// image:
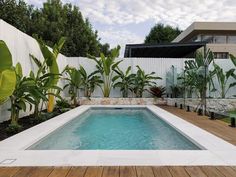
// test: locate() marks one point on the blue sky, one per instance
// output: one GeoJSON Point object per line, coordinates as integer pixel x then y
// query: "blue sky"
{"type": "Point", "coordinates": [129, 21]}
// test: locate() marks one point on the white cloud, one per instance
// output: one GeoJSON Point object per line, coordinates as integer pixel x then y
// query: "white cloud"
{"type": "Point", "coordinates": [117, 14]}
{"type": "Point", "coordinates": [120, 37]}
{"type": "Point", "coordinates": [180, 13]}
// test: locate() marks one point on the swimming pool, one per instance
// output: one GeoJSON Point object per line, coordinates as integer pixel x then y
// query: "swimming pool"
{"type": "Point", "coordinates": [116, 129]}
{"type": "Point", "coordinates": [143, 124]}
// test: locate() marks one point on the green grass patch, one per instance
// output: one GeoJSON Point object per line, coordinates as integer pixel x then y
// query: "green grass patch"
{"type": "Point", "coordinates": [227, 119]}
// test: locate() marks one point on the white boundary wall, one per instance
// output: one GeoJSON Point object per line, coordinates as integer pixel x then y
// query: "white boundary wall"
{"type": "Point", "coordinates": [21, 45]}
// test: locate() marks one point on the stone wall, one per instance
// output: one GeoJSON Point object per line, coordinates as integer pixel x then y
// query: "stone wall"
{"type": "Point", "coordinates": [216, 105]}
{"type": "Point", "coordinates": [122, 101]}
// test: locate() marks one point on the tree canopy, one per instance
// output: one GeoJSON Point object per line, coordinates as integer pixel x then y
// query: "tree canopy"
{"type": "Point", "coordinates": [161, 33]}
{"type": "Point", "coordinates": [52, 21]}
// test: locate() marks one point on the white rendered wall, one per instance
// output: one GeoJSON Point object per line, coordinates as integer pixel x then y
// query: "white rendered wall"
{"type": "Point", "coordinates": [21, 45]}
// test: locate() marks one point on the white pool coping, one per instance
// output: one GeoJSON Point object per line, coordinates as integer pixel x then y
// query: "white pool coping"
{"type": "Point", "coordinates": [216, 151]}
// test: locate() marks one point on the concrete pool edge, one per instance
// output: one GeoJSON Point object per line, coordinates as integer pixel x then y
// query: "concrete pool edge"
{"type": "Point", "coordinates": [218, 151]}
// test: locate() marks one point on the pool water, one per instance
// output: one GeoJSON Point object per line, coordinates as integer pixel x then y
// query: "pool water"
{"type": "Point", "coordinates": [116, 129]}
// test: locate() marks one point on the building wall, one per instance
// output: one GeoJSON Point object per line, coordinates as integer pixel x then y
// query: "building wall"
{"type": "Point", "coordinates": [230, 48]}
{"type": "Point", "coordinates": [206, 27]}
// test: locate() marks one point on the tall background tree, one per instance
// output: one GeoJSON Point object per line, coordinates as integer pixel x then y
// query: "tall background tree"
{"type": "Point", "coordinates": [52, 21]}
{"type": "Point", "coordinates": [161, 33]}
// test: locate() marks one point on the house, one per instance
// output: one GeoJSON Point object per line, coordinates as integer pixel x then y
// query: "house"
{"type": "Point", "coordinates": [220, 37]}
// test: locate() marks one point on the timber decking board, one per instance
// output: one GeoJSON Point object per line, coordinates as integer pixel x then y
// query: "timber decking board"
{"type": "Point", "coordinates": [178, 171]}
{"type": "Point", "coordinates": [77, 172]}
{"type": "Point", "coordinates": [195, 172]}
{"type": "Point", "coordinates": [127, 171]}
{"type": "Point", "coordinates": [211, 171]}
{"type": "Point", "coordinates": [111, 172]}
{"type": "Point", "coordinates": [227, 171]}
{"type": "Point", "coordinates": [216, 127]}
{"type": "Point", "coordinates": [94, 172]}
{"type": "Point", "coordinates": [161, 171]}
{"type": "Point", "coordinates": [144, 171]}
{"type": "Point", "coordinates": [60, 172]}
{"type": "Point", "coordinates": [8, 172]}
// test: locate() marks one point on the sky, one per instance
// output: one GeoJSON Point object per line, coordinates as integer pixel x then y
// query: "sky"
{"type": "Point", "coordinates": [129, 21]}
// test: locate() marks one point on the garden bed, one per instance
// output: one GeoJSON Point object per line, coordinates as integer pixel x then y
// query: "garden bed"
{"type": "Point", "coordinates": [27, 122]}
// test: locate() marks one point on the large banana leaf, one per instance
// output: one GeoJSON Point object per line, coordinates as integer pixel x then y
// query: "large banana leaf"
{"type": "Point", "coordinates": [7, 84]}
{"type": "Point", "coordinates": [5, 57]}
{"type": "Point", "coordinates": [233, 59]}
{"type": "Point", "coordinates": [51, 59]}
{"type": "Point", "coordinates": [18, 70]}
{"type": "Point", "coordinates": [7, 74]}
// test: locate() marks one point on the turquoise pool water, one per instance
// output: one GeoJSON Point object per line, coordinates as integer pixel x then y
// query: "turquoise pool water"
{"type": "Point", "coordinates": [116, 129]}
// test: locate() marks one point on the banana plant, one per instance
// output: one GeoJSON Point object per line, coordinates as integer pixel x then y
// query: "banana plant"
{"type": "Point", "coordinates": [142, 81]}
{"type": "Point", "coordinates": [7, 73]}
{"type": "Point", "coordinates": [90, 82]}
{"type": "Point", "coordinates": [223, 78]}
{"type": "Point", "coordinates": [50, 58]}
{"type": "Point", "coordinates": [25, 92]}
{"type": "Point", "coordinates": [197, 76]}
{"type": "Point", "coordinates": [105, 66]}
{"type": "Point", "coordinates": [74, 83]}
{"type": "Point", "coordinates": [233, 59]}
{"type": "Point", "coordinates": [126, 81]}
{"type": "Point", "coordinates": [42, 80]}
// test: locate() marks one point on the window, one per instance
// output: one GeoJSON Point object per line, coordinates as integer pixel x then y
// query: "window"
{"type": "Point", "coordinates": [196, 38]}
{"type": "Point", "coordinates": [221, 55]}
{"type": "Point", "coordinates": [220, 39]}
{"type": "Point", "coordinates": [207, 38]}
{"type": "Point", "coordinates": [232, 39]}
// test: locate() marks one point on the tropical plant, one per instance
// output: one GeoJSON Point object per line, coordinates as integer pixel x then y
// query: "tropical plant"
{"type": "Point", "coordinates": [25, 92]}
{"type": "Point", "coordinates": [74, 83]}
{"type": "Point", "coordinates": [50, 58]}
{"type": "Point", "coordinates": [197, 76]}
{"type": "Point", "coordinates": [223, 78]}
{"type": "Point", "coordinates": [42, 81]}
{"type": "Point", "coordinates": [142, 81]}
{"type": "Point", "coordinates": [176, 91]}
{"type": "Point", "coordinates": [233, 59]}
{"type": "Point", "coordinates": [90, 82]}
{"type": "Point", "coordinates": [105, 66]}
{"type": "Point", "coordinates": [63, 103]}
{"type": "Point", "coordinates": [126, 81]}
{"type": "Point", "coordinates": [7, 73]}
{"type": "Point", "coordinates": [157, 91]}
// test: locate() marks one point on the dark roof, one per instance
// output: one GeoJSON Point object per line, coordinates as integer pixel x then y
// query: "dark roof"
{"type": "Point", "coordinates": [169, 50]}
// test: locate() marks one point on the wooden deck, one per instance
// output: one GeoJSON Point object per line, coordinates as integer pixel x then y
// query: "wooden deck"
{"type": "Point", "coordinates": [176, 171]}
{"type": "Point", "coordinates": [216, 127]}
